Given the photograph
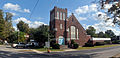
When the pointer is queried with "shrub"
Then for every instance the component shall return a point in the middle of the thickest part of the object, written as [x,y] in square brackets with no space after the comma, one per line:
[116,42]
[72,41]
[89,45]
[75,45]
[52,43]
[1,43]
[56,46]
[107,42]
[100,43]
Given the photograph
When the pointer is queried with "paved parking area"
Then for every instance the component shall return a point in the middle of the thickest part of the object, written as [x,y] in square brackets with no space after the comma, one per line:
[10,49]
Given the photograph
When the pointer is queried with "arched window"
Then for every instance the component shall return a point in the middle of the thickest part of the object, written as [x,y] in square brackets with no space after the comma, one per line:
[77,34]
[63,16]
[60,26]
[57,14]
[73,32]
[60,15]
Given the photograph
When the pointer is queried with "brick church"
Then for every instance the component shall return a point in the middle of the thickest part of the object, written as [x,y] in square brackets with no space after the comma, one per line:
[66,28]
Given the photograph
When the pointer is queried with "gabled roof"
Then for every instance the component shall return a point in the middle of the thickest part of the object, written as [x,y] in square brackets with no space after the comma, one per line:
[73,16]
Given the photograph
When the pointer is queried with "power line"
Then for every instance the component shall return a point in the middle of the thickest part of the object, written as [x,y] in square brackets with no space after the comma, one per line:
[33,9]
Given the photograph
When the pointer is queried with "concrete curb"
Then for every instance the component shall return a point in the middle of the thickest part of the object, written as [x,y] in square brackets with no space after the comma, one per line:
[46,54]
[37,51]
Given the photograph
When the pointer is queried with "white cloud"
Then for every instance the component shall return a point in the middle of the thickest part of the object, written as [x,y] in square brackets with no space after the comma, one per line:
[32,24]
[23,19]
[27,10]
[14,7]
[11,6]
[90,12]
[99,16]
[81,18]
[14,14]
[15,28]
[107,6]
[86,9]
[103,26]
[82,11]
[36,24]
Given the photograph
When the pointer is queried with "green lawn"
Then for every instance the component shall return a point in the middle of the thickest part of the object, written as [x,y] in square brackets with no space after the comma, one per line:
[80,48]
[103,46]
[45,49]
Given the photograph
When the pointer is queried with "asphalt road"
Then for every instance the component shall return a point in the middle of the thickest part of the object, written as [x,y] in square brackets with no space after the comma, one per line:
[93,53]
[8,52]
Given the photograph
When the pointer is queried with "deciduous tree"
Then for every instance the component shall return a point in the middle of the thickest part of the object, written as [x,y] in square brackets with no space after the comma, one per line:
[23,27]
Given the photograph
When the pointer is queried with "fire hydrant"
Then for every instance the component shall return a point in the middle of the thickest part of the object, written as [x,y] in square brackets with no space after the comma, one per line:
[48,50]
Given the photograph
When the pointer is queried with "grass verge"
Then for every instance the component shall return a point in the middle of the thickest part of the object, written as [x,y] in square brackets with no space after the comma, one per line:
[80,48]
[45,49]
[103,46]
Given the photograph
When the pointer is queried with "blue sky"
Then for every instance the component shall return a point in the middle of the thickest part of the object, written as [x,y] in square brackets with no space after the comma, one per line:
[85,11]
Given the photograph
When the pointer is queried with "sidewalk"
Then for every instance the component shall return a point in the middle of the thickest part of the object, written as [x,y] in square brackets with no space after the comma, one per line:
[54,51]
[116,56]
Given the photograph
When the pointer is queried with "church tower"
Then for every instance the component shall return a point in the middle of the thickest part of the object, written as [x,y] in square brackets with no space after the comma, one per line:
[58,18]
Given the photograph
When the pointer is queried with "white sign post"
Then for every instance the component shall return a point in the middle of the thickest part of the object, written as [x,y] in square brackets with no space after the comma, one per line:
[47,44]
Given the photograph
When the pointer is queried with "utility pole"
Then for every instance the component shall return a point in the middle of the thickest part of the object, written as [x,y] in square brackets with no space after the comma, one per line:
[48,43]
[17,35]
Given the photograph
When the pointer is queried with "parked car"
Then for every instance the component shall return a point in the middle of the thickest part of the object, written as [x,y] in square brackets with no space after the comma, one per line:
[20,45]
[32,45]
[29,45]
[14,45]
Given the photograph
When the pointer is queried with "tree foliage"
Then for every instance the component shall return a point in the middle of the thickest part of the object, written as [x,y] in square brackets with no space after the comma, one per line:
[110,33]
[112,13]
[17,36]
[40,34]
[13,38]
[101,34]
[23,27]
[91,31]
[21,37]
[6,27]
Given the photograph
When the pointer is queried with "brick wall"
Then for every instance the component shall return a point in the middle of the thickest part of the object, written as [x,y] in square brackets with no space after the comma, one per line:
[71,21]
[83,37]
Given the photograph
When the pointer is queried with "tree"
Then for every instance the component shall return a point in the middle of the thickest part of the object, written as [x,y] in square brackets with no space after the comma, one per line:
[21,37]
[2,23]
[101,34]
[106,35]
[40,34]
[23,27]
[110,33]
[6,27]
[13,38]
[91,31]
[112,13]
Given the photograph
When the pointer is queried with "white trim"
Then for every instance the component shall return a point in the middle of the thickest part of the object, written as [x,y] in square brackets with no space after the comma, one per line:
[100,39]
